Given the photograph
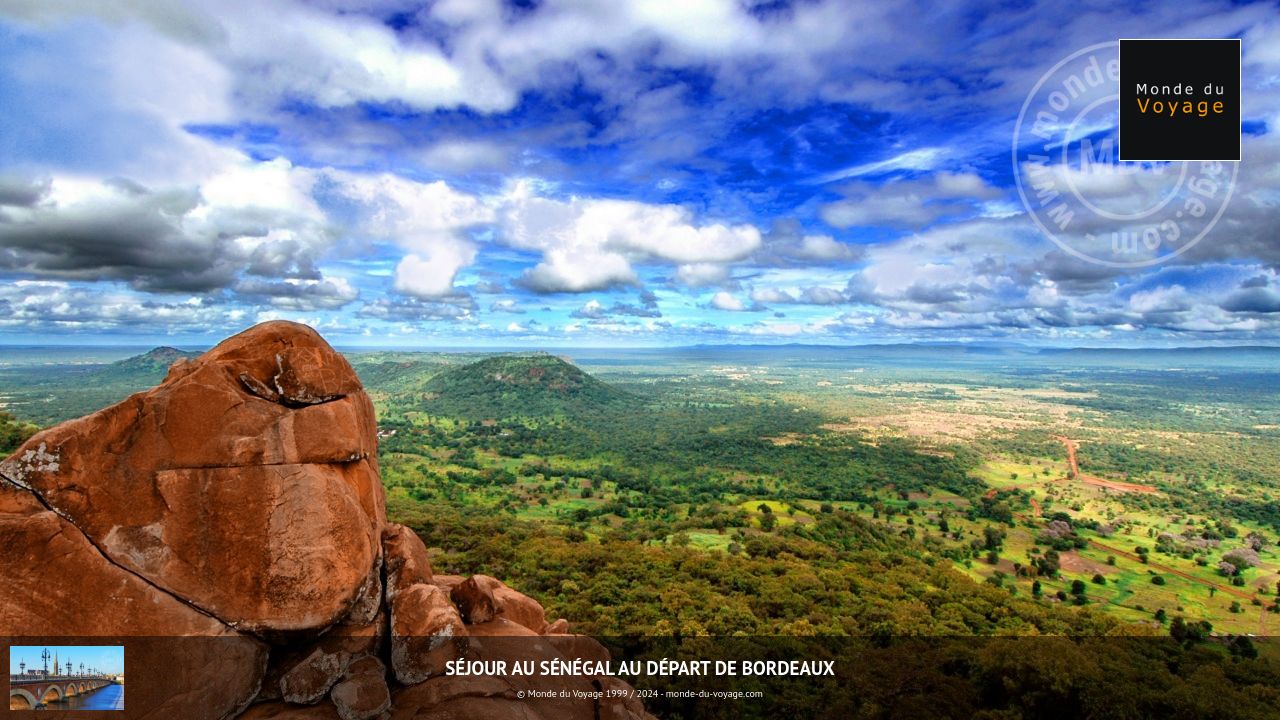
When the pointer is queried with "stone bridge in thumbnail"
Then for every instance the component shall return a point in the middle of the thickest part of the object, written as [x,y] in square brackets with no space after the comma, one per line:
[28,692]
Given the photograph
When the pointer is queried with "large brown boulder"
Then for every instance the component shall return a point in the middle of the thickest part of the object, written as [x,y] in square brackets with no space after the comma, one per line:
[229,527]
[426,633]
[407,560]
[518,697]
[57,584]
[481,598]
[363,693]
[245,484]
[310,678]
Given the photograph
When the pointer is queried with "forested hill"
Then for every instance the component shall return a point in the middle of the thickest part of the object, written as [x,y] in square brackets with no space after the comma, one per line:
[520,385]
[143,370]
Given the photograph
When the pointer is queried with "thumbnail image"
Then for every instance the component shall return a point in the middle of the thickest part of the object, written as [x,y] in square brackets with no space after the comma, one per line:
[66,677]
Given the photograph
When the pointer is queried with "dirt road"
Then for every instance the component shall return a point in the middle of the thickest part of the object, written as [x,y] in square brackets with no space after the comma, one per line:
[1097,481]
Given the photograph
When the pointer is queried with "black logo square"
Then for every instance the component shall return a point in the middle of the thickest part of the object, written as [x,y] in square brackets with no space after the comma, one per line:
[1179,100]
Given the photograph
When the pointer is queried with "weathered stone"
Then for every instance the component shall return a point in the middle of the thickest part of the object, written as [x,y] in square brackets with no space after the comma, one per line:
[56,584]
[365,610]
[579,646]
[238,502]
[501,627]
[406,558]
[481,598]
[345,640]
[485,697]
[447,582]
[287,559]
[266,513]
[309,680]
[426,633]
[363,692]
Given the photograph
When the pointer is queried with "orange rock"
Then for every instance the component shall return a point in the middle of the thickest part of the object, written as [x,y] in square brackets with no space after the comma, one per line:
[309,680]
[245,484]
[447,582]
[579,646]
[481,598]
[363,692]
[346,640]
[426,633]
[230,524]
[487,697]
[57,584]
[406,558]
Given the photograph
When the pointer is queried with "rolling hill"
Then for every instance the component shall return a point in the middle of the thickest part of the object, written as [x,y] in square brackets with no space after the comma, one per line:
[145,370]
[520,385]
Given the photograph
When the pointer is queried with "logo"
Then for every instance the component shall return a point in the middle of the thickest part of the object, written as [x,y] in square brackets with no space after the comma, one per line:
[1180,100]
[1082,196]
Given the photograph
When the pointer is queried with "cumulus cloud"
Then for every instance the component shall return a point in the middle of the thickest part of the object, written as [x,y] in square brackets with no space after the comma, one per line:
[54,306]
[787,245]
[909,203]
[463,156]
[299,294]
[431,274]
[772,296]
[412,309]
[724,300]
[430,220]
[589,244]
[595,310]
[254,218]
[506,305]
[156,96]
[697,275]
[812,295]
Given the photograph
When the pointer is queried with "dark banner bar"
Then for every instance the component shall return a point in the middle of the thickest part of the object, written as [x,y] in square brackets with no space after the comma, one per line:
[737,678]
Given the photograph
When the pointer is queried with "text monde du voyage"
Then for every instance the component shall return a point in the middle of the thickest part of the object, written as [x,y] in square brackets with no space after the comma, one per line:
[633,668]
[1181,99]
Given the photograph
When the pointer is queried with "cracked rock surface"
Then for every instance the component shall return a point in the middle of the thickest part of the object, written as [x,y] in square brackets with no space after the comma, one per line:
[229,528]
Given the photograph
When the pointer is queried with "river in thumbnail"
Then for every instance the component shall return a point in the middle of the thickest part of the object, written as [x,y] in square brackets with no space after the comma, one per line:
[110,697]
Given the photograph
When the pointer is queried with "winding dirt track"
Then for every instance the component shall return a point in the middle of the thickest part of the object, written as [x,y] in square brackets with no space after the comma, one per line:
[1097,481]
[1134,487]
[1123,487]
[1074,473]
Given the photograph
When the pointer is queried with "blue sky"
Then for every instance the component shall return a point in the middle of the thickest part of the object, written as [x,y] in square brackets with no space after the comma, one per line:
[106,658]
[592,173]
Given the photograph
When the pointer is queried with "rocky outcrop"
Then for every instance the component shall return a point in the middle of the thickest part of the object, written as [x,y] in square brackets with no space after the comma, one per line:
[264,512]
[230,524]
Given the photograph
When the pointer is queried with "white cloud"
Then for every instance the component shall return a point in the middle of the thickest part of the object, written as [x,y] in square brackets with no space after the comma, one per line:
[591,309]
[589,244]
[251,217]
[37,305]
[431,274]
[696,275]
[909,203]
[464,156]
[771,296]
[427,219]
[919,159]
[505,305]
[727,301]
